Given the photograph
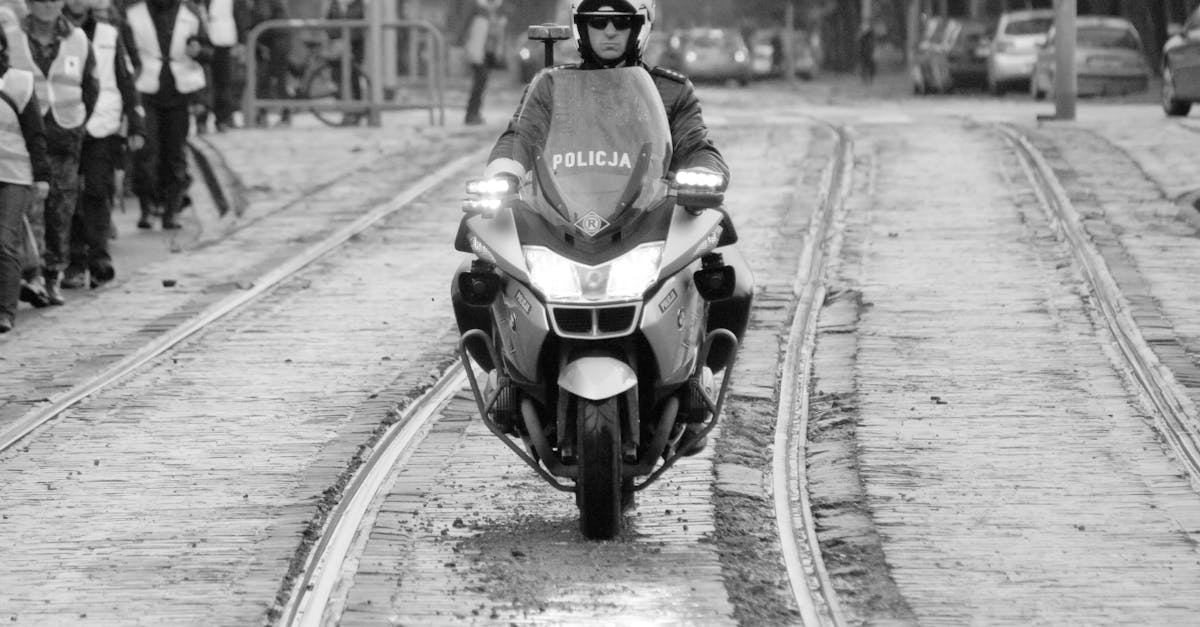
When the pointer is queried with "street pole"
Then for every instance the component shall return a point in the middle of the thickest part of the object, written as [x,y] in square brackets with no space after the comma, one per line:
[375,58]
[1065,83]
[789,43]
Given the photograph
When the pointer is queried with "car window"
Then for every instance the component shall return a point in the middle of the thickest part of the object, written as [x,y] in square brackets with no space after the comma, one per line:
[1033,26]
[1108,38]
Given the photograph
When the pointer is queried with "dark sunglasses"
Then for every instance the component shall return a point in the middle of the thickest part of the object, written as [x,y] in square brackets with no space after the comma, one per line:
[619,22]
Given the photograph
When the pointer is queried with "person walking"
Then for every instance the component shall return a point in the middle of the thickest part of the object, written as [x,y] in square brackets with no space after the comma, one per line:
[117,105]
[169,44]
[59,55]
[866,53]
[349,10]
[272,52]
[483,42]
[24,175]
[227,25]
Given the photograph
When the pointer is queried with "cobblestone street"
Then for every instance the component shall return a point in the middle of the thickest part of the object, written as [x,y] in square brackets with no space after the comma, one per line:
[978,452]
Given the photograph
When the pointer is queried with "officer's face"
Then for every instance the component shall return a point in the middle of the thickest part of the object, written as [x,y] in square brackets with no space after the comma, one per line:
[45,10]
[609,36]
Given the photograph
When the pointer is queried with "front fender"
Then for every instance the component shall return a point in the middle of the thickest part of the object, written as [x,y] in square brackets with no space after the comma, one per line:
[597,378]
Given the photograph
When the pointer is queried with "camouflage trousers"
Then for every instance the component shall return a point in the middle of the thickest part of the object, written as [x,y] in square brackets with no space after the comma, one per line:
[51,221]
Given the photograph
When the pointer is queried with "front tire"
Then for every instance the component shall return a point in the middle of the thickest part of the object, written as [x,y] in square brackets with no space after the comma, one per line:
[598,491]
[1171,106]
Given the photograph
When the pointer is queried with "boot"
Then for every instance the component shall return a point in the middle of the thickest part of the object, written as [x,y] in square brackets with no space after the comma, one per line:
[76,277]
[53,288]
[147,213]
[33,291]
[170,217]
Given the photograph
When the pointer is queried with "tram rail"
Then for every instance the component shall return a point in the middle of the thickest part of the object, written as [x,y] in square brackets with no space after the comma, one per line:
[1174,413]
[313,599]
[14,433]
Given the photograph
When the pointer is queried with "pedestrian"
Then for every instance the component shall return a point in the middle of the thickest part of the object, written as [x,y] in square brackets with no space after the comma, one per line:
[24,175]
[349,10]
[483,42]
[59,55]
[866,53]
[228,22]
[272,52]
[117,106]
[166,82]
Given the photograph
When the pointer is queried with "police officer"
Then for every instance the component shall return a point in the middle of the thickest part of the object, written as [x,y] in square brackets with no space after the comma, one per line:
[24,174]
[60,57]
[168,45]
[612,34]
[117,104]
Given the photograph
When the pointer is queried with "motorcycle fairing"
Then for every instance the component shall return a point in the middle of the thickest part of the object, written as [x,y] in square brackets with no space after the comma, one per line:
[498,235]
[592,179]
[522,324]
[672,318]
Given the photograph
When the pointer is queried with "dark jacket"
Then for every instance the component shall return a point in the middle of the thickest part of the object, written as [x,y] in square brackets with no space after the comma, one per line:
[689,136]
[131,101]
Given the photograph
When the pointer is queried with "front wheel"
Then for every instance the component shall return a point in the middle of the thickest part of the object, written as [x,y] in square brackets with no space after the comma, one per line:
[599,488]
[1172,106]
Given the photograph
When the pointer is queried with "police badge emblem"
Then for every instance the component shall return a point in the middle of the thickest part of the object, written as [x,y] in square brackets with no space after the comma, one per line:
[591,224]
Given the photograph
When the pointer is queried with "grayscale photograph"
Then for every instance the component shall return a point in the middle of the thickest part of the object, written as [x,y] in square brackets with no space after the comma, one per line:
[811,313]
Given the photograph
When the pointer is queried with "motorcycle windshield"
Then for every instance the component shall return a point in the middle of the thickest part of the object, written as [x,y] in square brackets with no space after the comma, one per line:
[606,151]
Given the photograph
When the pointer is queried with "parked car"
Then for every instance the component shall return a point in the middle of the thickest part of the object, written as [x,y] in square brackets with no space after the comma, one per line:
[709,54]
[955,57]
[1181,68]
[1014,46]
[766,53]
[1109,59]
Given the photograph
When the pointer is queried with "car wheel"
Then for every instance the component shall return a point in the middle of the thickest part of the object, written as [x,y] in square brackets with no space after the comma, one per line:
[1035,90]
[995,88]
[1172,107]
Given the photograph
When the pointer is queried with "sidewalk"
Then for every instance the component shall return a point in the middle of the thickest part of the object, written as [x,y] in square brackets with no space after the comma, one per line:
[254,173]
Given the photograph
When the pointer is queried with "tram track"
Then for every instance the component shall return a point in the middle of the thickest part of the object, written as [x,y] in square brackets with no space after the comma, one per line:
[19,429]
[1174,413]
[319,592]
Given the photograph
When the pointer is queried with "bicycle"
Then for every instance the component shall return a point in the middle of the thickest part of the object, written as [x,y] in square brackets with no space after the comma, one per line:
[316,80]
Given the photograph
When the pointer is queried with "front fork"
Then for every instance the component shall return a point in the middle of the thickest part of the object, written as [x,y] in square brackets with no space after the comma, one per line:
[540,445]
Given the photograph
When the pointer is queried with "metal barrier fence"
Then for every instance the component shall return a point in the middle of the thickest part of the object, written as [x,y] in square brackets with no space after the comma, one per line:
[373,102]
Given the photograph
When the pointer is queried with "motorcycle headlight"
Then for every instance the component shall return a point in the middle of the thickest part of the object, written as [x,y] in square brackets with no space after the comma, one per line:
[624,278]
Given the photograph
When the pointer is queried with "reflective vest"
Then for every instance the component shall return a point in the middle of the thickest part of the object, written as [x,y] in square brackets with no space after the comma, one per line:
[189,75]
[106,115]
[14,154]
[222,29]
[62,91]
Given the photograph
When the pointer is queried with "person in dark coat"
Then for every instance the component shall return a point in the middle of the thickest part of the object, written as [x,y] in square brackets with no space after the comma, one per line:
[619,42]
[273,49]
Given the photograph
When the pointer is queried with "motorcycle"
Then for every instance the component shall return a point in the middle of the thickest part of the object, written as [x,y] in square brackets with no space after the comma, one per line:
[593,279]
